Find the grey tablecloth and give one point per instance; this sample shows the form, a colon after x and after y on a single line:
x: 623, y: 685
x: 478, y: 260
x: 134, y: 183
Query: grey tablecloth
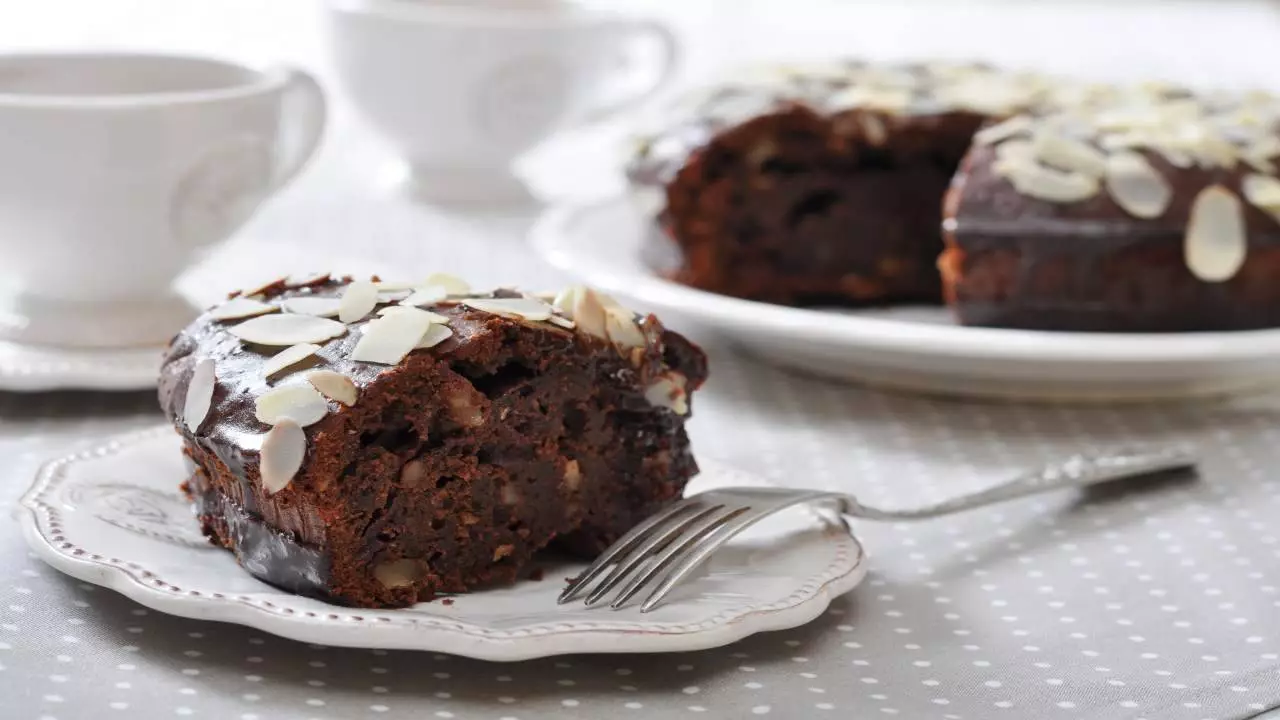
x: 1157, y: 603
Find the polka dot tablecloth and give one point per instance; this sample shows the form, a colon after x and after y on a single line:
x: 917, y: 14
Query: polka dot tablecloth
x: 1156, y: 602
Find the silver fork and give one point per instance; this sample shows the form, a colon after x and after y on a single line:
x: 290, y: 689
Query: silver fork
x: 670, y: 545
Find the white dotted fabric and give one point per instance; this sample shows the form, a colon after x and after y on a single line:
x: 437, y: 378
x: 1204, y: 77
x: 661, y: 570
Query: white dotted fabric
x: 1157, y: 602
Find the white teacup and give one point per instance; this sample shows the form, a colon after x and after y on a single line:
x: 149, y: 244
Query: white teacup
x: 117, y: 169
x: 461, y: 89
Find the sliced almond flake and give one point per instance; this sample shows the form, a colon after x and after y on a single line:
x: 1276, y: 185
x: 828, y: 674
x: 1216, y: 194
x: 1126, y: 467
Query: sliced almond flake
x: 334, y: 385
x: 1137, y: 187
x: 425, y: 296
x: 389, y: 338
x: 298, y: 402
x: 588, y: 312
x: 1125, y: 119
x: 315, y: 306
x: 1120, y: 141
x: 452, y: 284
x: 1216, y: 243
x: 565, y: 299
x: 1015, y: 151
x: 1044, y: 183
x: 864, y: 96
x: 1258, y: 154
x: 394, y: 285
x: 1267, y: 147
x: 1001, y: 131
x: 195, y: 406
x: 1262, y: 191
x: 1165, y: 144
x: 1214, y: 152
x: 1233, y: 130
x: 358, y: 300
x: 522, y: 307
x: 989, y: 94
x: 1069, y: 154
x: 433, y: 317
x: 261, y: 287
x: 286, y: 330
x: 1181, y: 110
x: 620, y: 325
x: 563, y: 322
x: 668, y: 391
x: 1071, y: 124
x: 390, y: 296
x: 434, y: 335
x: 238, y: 308
x: 1258, y: 162
x: 288, y: 357
x: 305, y: 279
x: 284, y: 447
x: 1173, y: 156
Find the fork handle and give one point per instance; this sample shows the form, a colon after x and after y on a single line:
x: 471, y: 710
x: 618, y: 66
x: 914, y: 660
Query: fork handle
x: 1076, y: 471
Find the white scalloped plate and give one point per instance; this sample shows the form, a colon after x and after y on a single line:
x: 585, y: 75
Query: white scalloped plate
x: 36, y: 368
x: 113, y: 516
x: 609, y: 244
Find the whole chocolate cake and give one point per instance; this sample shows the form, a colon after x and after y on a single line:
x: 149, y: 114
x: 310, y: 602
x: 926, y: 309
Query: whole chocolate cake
x: 1078, y: 207
x: 378, y: 443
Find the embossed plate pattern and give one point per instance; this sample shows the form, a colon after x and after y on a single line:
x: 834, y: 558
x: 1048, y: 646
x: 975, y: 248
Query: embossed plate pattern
x: 112, y: 515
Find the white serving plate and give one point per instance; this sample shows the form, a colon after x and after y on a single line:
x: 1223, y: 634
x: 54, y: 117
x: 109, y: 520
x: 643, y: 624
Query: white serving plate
x: 38, y: 368
x: 113, y: 516
x: 609, y: 244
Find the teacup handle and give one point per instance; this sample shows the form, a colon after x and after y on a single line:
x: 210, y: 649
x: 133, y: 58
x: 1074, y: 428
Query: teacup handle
x: 303, y: 116
x: 668, y: 60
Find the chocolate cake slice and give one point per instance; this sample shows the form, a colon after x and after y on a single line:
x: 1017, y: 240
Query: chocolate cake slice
x: 376, y: 443
x: 819, y: 184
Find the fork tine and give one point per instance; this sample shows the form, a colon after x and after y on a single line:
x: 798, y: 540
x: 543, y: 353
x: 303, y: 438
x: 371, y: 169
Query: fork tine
x: 692, y: 560
x: 623, y: 545
x: 675, y: 550
x: 649, y: 546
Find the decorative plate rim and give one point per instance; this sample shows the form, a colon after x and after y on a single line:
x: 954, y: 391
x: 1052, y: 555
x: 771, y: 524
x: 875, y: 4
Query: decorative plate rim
x: 350, y: 627
x: 39, y: 368
x: 888, y: 334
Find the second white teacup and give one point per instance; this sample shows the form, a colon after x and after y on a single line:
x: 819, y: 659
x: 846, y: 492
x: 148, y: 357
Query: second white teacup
x: 119, y: 169
x: 462, y: 89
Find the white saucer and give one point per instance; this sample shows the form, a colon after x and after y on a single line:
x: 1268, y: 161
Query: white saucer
x: 113, y: 516
x: 36, y: 368
x: 609, y: 244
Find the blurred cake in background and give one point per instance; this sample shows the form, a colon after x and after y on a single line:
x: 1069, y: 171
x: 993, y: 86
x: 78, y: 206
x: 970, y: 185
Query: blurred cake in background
x: 1155, y: 211
x: 824, y: 185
